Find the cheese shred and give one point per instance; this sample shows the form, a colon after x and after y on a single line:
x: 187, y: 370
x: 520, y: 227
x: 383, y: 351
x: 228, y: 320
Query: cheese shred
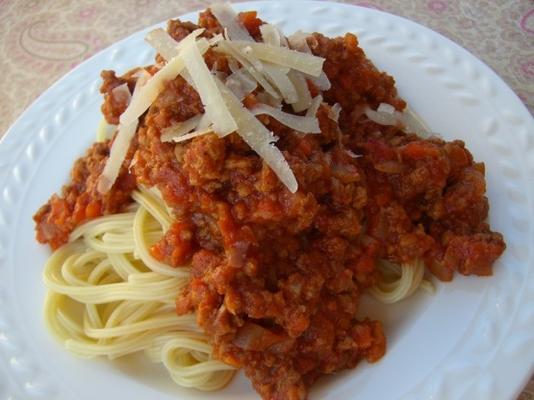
x: 204, y: 83
x: 270, y: 71
x: 259, y: 138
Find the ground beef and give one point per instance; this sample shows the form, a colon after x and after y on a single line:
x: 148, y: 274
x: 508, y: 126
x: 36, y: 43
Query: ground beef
x: 425, y: 196
x: 113, y: 106
x: 80, y: 201
x: 356, y: 82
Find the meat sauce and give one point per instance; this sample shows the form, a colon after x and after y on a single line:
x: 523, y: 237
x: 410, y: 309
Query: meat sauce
x: 277, y: 277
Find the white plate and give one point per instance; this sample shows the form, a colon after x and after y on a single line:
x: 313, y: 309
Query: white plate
x: 474, y: 339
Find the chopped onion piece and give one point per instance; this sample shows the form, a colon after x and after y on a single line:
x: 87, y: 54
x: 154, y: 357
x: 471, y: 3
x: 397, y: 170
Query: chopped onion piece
x: 117, y: 154
x: 306, y: 63
x: 204, y: 83
x: 260, y: 139
x: 278, y: 77
x: 165, y: 44
x: 141, y: 73
x: 352, y: 154
x: 303, y: 92
x: 241, y: 83
x: 181, y: 128
x: 139, y: 104
x: 334, y: 111
x: 228, y: 19
x: 192, y: 135
x: 227, y: 47
x: 257, y: 338
x: 315, y: 104
x: 385, y: 107
x: 121, y: 94
x: 304, y: 124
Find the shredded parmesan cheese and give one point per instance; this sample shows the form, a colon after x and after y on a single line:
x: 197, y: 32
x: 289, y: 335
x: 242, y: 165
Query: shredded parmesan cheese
x: 187, y: 77
x: 164, y: 43
x: 304, y: 124
x: 307, y: 63
x: 271, y: 35
x: 204, y: 83
x: 260, y: 139
x: 418, y: 124
x: 227, y: 17
x: 406, y: 120
x: 151, y: 90
x: 204, y: 122
x: 215, y: 39
x: 117, y: 154
x: 233, y: 64
x: 181, y: 128
x: 387, y: 108
x: 146, y: 90
x: 192, y: 135
x: 279, y: 70
x: 105, y: 131
x: 303, y: 92
x: 275, y: 74
x: 227, y: 47
x: 315, y: 104
x: 383, y: 118
x: 121, y: 144
x: 241, y: 83
x: 266, y: 98
x: 298, y: 42
x: 155, y: 85
x: 322, y: 82
x: 278, y: 77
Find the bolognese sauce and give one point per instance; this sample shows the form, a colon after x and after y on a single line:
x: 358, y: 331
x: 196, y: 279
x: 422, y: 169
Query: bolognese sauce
x: 277, y: 276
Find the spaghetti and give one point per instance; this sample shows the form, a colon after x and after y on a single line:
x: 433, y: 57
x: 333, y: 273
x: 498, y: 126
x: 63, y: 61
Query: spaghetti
x: 107, y: 296
x: 399, y: 282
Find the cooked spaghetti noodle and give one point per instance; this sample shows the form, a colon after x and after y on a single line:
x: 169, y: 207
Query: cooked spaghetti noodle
x: 109, y: 297
x: 399, y: 282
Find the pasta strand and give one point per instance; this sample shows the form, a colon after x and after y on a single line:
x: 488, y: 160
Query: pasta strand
x: 107, y: 296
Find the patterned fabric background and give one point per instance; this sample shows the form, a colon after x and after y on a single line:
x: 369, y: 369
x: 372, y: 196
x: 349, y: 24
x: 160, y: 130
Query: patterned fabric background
x: 41, y: 40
